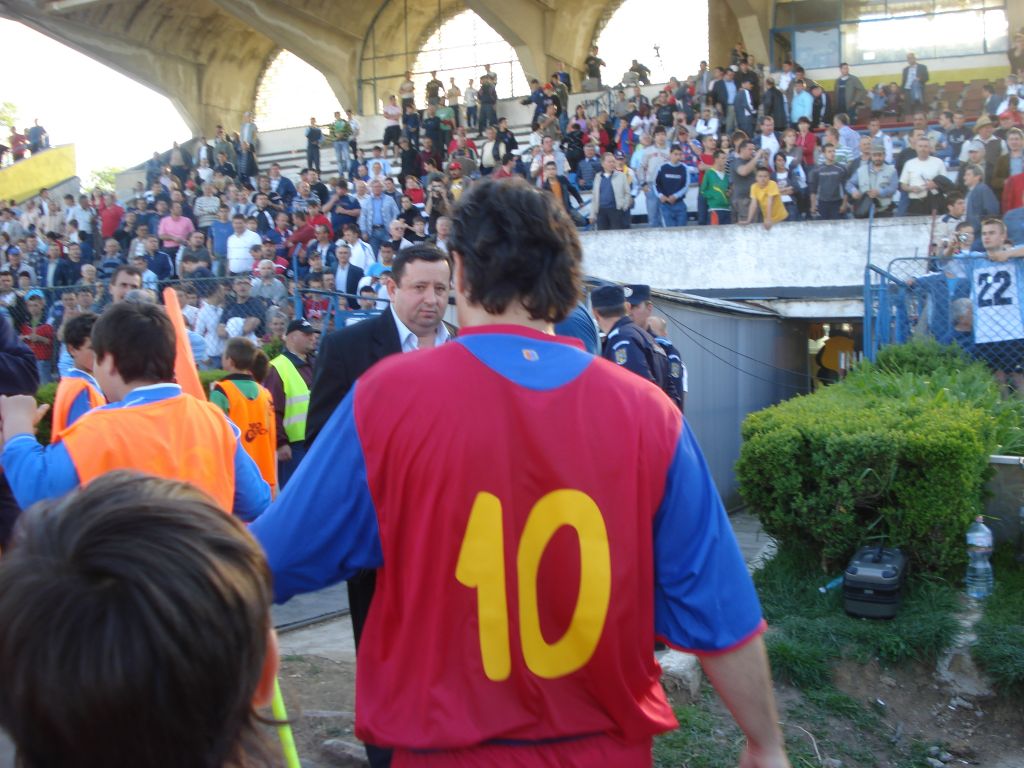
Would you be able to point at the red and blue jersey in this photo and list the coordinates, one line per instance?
(538, 516)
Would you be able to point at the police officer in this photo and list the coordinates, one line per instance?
(658, 328)
(626, 343)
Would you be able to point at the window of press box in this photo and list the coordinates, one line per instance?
(930, 37)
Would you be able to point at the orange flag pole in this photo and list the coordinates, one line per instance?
(184, 364)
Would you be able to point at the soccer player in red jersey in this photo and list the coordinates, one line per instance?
(528, 553)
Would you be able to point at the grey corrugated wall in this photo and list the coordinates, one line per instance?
(724, 386)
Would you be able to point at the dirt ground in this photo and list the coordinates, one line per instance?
(904, 714)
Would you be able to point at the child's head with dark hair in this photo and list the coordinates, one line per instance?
(77, 335)
(516, 245)
(134, 343)
(136, 630)
(242, 356)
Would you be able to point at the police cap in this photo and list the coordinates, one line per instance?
(607, 297)
(638, 294)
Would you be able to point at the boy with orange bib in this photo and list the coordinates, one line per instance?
(150, 425)
(78, 393)
(248, 404)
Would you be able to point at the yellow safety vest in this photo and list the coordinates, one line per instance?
(296, 403)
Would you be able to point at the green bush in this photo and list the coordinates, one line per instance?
(897, 453)
(45, 395)
(206, 378)
(923, 356)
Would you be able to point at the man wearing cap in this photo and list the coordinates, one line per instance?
(289, 380)
(875, 180)
(626, 343)
(640, 308)
(984, 131)
(975, 153)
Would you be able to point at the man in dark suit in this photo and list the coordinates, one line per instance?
(746, 111)
(915, 76)
(347, 276)
(418, 289)
(821, 112)
(723, 96)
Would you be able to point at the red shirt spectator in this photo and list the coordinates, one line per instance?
(43, 349)
(111, 215)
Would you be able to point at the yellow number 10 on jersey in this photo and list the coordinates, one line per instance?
(481, 566)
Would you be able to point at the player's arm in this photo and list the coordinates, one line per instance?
(252, 494)
(79, 407)
(705, 601)
(33, 472)
(331, 383)
(322, 529)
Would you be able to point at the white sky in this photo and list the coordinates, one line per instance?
(62, 88)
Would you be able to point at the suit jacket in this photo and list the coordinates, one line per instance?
(922, 75)
(821, 112)
(720, 95)
(351, 286)
(1000, 173)
(981, 203)
(620, 188)
(746, 107)
(388, 213)
(346, 355)
(68, 272)
(775, 106)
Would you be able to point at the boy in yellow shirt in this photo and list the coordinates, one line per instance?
(766, 196)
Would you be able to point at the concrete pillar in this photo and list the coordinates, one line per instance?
(319, 42)
(522, 23)
(723, 33)
(1015, 16)
(753, 20)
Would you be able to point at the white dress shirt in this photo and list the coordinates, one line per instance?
(410, 342)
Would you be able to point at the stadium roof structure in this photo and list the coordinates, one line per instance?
(207, 56)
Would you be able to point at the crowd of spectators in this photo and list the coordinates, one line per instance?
(727, 122)
(249, 250)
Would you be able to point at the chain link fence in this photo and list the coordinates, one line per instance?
(970, 301)
(215, 309)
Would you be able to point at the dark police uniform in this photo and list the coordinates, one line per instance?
(676, 388)
(630, 346)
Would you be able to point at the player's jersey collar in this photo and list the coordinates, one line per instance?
(525, 356)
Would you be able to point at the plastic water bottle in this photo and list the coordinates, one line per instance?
(979, 570)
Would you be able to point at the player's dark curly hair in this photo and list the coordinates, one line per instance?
(517, 244)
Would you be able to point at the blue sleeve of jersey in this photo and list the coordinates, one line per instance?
(79, 407)
(252, 493)
(704, 599)
(35, 472)
(322, 529)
